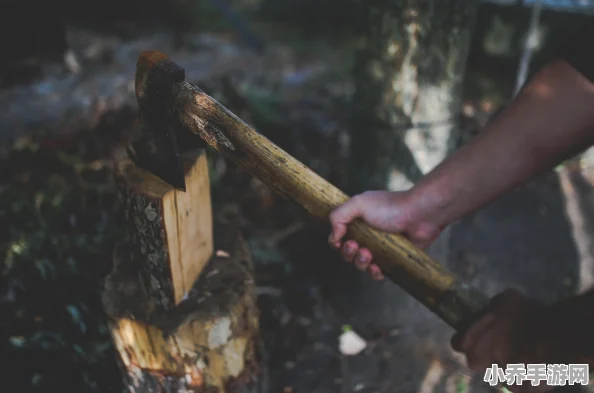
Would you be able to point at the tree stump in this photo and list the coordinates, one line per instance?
(183, 318)
(209, 343)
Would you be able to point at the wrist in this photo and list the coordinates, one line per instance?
(431, 204)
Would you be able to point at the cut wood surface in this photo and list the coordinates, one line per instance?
(402, 262)
(208, 343)
(169, 228)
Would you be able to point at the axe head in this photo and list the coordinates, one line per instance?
(161, 138)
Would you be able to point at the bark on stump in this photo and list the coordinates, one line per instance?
(170, 229)
(183, 318)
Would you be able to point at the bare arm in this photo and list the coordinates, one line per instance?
(550, 120)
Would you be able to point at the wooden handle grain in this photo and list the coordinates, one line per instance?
(403, 263)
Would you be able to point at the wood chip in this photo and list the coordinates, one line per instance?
(222, 254)
(351, 343)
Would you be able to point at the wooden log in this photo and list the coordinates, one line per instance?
(208, 343)
(171, 230)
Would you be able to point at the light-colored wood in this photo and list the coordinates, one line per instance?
(171, 228)
(189, 215)
(209, 343)
(403, 263)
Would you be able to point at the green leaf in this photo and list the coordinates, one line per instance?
(461, 386)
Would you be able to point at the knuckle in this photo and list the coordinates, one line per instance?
(352, 243)
(347, 248)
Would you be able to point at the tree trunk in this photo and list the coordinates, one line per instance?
(408, 73)
(209, 343)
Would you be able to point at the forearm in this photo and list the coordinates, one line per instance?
(551, 119)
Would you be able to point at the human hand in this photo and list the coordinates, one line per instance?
(394, 212)
(514, 330)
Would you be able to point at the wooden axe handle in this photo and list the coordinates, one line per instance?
(402, 262)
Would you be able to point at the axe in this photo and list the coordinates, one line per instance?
(177, 116)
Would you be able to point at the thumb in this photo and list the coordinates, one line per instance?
(341, 217)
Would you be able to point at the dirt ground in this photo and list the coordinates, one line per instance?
(536, 239)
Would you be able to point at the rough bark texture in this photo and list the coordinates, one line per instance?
(208, 343)
(408, 74)
(170, 230)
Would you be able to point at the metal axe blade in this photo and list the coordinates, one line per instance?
(157, 152)
(156, 146)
